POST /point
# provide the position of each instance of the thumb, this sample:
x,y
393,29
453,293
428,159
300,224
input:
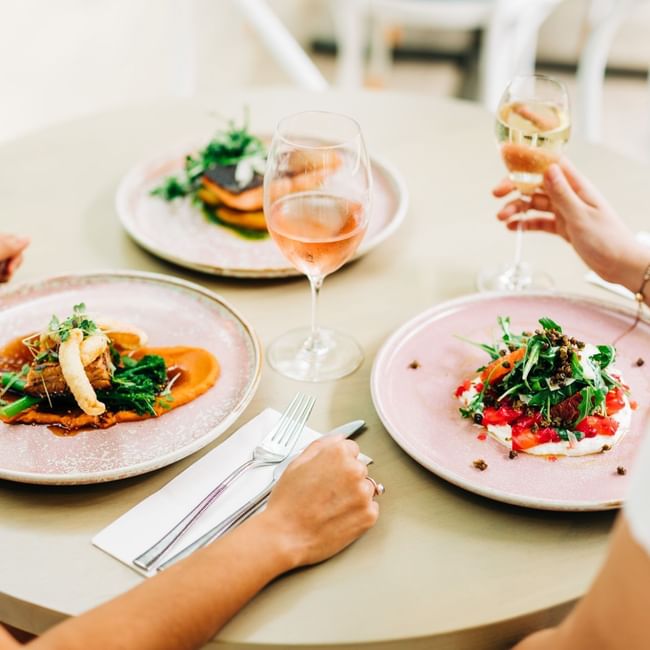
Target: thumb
x,y
560,192
12,245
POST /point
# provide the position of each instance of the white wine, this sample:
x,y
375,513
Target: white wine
x,y
531,136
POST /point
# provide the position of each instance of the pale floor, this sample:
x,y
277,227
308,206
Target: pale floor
x,y
626,109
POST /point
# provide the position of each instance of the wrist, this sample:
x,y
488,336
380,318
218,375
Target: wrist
x,y
278,540
631,268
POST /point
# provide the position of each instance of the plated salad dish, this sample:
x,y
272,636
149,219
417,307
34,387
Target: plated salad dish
x,y
80,372
547,393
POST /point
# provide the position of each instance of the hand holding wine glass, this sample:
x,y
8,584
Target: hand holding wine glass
x,y
532,128
569,205
316,200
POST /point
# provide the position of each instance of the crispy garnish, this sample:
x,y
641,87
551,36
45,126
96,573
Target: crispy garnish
x,y
92,348
75,375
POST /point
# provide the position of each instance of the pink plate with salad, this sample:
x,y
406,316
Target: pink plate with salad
x,y
537,400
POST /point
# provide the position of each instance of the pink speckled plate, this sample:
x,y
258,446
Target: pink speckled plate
x,y
172,312
419,410
180,233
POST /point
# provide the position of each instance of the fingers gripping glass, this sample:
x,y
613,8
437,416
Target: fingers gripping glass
x,y
316,202
532,128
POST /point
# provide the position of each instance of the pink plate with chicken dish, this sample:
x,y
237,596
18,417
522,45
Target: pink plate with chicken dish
x,y
537,400
113,374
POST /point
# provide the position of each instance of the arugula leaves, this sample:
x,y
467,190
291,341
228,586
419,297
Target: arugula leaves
x,y
549,324
492,350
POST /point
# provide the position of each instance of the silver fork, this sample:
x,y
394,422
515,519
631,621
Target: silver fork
x,y
276,446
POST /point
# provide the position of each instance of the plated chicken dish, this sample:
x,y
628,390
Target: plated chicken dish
x,y
81,372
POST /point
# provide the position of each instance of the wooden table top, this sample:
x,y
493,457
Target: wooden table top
x,y
443,568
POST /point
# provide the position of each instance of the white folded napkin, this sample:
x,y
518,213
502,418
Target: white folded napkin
x,y
142,526
594,278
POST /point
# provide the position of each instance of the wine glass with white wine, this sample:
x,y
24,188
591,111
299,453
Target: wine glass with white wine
x,y
532,128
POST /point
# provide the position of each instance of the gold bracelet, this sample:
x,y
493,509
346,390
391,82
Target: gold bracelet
x,y
639,296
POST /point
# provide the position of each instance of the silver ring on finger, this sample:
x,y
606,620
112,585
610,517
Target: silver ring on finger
x,y
379,488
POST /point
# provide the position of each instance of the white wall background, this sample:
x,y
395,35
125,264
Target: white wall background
x,y
62,58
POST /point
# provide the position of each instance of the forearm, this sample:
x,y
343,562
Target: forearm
x,y
186,605
613,613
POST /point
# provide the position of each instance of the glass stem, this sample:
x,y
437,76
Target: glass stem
x,y
315,283
519,239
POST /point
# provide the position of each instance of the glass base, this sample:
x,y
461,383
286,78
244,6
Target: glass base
x,y
513,278
332,356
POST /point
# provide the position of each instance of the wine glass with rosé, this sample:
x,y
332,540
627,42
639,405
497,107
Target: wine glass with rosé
x,y
316,203
532,127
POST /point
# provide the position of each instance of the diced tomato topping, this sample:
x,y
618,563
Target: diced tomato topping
x,y
527,421
634,405
597,425
614,401
527,433
466,385
505,414
547,434
524,439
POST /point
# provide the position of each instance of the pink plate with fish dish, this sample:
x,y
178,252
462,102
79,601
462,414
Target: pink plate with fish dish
x,y
182,233
171,312
419,367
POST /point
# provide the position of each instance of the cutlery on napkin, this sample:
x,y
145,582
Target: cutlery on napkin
x,y
140,527
592,277
256,503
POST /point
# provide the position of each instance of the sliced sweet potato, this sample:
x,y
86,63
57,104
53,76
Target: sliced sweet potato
x,y
500,367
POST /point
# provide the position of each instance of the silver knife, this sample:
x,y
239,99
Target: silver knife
x,y
253,505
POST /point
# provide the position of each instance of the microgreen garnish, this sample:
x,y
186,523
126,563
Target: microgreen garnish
x,y
234,145
60,331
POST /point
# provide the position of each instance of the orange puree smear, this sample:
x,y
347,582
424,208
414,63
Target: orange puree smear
x,y
197,369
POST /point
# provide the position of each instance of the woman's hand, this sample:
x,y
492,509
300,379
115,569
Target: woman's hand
x,y
322,503
11,254
576,211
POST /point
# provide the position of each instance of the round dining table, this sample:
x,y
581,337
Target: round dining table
x,y
443,568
